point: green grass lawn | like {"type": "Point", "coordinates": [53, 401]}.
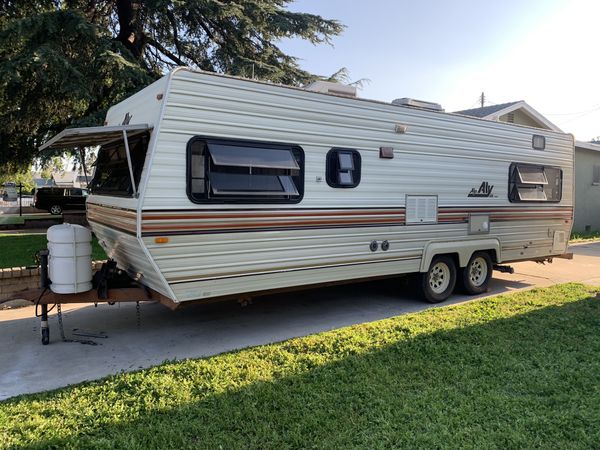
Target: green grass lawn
{"type": "Point", "coordinates": [583, 236]}
{"type": "Point", "coordinates": [20, 220]}
{"type": "Point", "coordinates": [513, 371]}
{"type": "Point", "coordinates": [17, 250]}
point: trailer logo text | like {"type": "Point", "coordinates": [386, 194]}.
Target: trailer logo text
{"type": "Point", "coordinates": [485, 190]}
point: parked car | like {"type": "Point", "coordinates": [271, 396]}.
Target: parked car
{"type": "Point", "coordinates": [57, 199]}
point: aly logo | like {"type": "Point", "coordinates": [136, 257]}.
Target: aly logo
{"type": "Point", "coordinates": [485, 190]}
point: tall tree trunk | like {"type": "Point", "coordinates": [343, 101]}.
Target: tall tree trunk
{"type": "Point", "coordinates": [131, 32]}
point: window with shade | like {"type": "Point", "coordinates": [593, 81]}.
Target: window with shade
{"type": "Point", "coordinates": [534, 183]}
{"type": "Point", "coordinates": [235, 171]}
{"type": "Point", "coordinates": [343, 168]}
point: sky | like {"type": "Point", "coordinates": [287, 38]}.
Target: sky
{"type": "Point", "coordinates": [545, 52]}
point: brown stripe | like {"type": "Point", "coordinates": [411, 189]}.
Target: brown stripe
{"type": "Point", "coordinates": [271, 224]}
{"type": "Point", "coordinates": [119, 218]}
{"type": "Point", "coordinates": [270, 215]}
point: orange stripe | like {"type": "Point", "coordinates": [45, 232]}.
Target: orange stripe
{"type": "Point", "coordinates": [268, 224]}
{"type": "Point", "coordinates": [110, 216]}
{"type": "Point", "coordinates": [270, 215]}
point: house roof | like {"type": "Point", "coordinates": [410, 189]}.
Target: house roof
{"type": "Point", "coordinates": [486, 110]}
{"type": "Point", "coordinates": [594, 146]}
{"type": "Point", "coordinates": [494, 112]}
{"type": "Point", "coordinates": [64, 177]}
{"type": "Point", "coordinates": [39, 182]}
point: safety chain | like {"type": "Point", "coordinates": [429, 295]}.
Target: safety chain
{"type": "Point", "coordinates": [62, 329]}
{"type": "Point", "coordinates": [60, 322]}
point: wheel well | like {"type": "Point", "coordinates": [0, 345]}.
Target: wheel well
{"type": "Point", "coordinates": [460, 251]}
{"type": "Point", "coordinates": [491, 253]}
{"type": "Point", "coordinates": [456, 259]}
{"type": "Point", "coordinates": [453, 256]}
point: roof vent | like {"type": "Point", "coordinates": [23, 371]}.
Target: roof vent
{"type": "Point", "coordinates": [417, 104]}
{"type": "Point", "coordinates": [331, 87]}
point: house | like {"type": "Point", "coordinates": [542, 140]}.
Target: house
{"type": "Point", "coordinates": [40, 181]}
{"type": "Point", "coordinates": [587, 158]}
{"type": "Point", "coordinates": [71, 179]}
{"type": "Point", "coordinates": [65, 179]}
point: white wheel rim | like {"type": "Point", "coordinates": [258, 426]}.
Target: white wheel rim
{"type": "Point", "coordinates": [55, 210]}
{"type": "Point", "coordinates": [478, 271]}
{"type": "Point", "coordinates": [439, 278]}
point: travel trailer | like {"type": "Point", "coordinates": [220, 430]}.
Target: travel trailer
{"type": "Point", "coordinates": [209, 186]}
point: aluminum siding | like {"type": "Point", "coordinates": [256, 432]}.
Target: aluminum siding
{"type": "Point", "coordinates": [440, 154]}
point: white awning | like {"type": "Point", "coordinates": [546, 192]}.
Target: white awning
{"type": "Point", "coordinates": [93, 136]}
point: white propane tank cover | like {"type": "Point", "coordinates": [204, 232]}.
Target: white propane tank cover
{"type": "Point", "coordinates": [70, 258]}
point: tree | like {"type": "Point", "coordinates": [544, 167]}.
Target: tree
{"type": "Point", "coordinates": [343, 76]}
{"type": "Point", "coordinates": [64, 62]}
{"type": "Point", "coordinates": [23, 177]}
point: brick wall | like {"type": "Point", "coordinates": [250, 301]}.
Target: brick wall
{"type": "Point", "coordinates": [17, 279]}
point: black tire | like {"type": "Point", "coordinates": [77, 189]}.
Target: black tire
{"type": "Point", "coordinates": [55, 210]}
{"type": "Point", "coordinates": [475, 277]}
{"type": "Point", "coordinates": [438, 282]}
{"type": "Point", "coordinates": [45, 336]}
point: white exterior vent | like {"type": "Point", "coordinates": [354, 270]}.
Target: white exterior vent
{"type": "Point", "coordinates": [421, 209]}
{"type": "Point", "coordinates": [418, 104]}
{"type": "Point", "coordinates": [331, 87]}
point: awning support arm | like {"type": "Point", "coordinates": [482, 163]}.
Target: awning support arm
{"type": "Point", "coordinates": [82, 156]}
{"type": "Point", "coordinates": [129, 163]}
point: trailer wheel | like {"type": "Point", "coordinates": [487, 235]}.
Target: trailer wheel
{"type": "Point", "coordinates": [438, 282]}
{"type": "Point", "coordinates": [55, 209]}
{"type": "Point", "coordinates": [475, 277]}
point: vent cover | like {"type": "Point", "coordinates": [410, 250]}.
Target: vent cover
{"type": "Point", "coordinates": [422, 104]}
{"type": "Point", "coordinates": [421, 209]}
{"type": "Point", "coordinates": [330, 87]}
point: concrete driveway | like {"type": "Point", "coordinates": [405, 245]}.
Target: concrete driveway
{"type": "Point", "coordinates": [27, 366]}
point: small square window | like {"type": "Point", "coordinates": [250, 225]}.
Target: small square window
{"type": "Point", "coordinates": [343, 168]}
{"type": "Point", "coordinates": [538, 142]}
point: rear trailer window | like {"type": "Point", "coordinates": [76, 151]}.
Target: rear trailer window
{"type": "Point", "coordinates": [534, 183]}
{"type": "Point", "coordinates": [232, 171]}
{"type": "Point", "coordinates": [112, 176]}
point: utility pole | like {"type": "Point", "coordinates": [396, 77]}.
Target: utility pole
{"type": "Point", "coordinates": [482, 99]}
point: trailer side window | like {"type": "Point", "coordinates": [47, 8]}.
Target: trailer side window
{"type": "Point", "coordinates": [533, 183]}
{"type": "Point", "coordinates": [343, 168]}
{"type": "Point", "coordinates": [244, 171]}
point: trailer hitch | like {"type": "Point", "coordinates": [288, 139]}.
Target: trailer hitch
{"type": "Point", "coordinates": [504, 269]}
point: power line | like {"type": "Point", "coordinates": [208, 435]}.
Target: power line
{"type": "Point", "coordinates": [581, 115]}
{"type": "Point", "coordinates": [595, 108]}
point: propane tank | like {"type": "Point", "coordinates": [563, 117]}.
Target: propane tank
{"type": "Point", "coordinates": [70, 258]}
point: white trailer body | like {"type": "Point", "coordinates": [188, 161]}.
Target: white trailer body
{"type": "Point", "coordinates": [242, 187]}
